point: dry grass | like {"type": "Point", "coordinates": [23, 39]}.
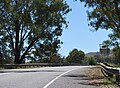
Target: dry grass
{"type": "Point", "coordinates": [95, 73]}
{"type": "Point", "coordinates": [98, 79]}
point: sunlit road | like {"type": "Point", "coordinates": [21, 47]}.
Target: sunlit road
{"type": "Point", "coordinates": [47, 77]}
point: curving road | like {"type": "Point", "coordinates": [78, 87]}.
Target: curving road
{"type": "Point", "coordinates": [46, 77]}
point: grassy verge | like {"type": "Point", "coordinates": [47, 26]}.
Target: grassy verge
{"type": "Point", "coordinates": [1, 68]}
{"type": "Point", "coordinates": [115, 65]}
{"type": "Point", "coordinates": [98, 79]}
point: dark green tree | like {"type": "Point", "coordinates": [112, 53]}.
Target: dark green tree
{"type": "Point", "coordinates": [75, 56]}
{"type": "Point", "coordinates": [116, 52]}
{"type": "Point", "coordinates": [59, 58]}
{"type": "Point", "coordinates": [25, 24]}
{"type": "Point", "coordinates": [107, 43]}
{"type": "Point", "coordinates": [47, 49]}
{"type": "Point", "coordinates": [105, 14]}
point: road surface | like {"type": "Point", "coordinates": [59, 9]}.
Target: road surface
{"type": "Point", "coordinates": [46, 77]}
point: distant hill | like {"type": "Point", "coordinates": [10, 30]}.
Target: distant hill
{"type": "Point", "coordinates": [91, 54]}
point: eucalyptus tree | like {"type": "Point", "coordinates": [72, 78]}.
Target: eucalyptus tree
{"type": "Point", "coordinates": [105, 14]}
{"type": "Point", "coordinates": [25, 24]}
{"type": "Point", "coordinates": [47, 49]}
{"type": "Point", "coordinates": [75, 56]}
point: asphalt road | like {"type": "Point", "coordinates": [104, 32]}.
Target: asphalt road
{"type": "Point", "coordinates": [46, 77]}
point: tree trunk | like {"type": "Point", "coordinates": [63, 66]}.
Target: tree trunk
{"type": "Point", "coordinates": [23, 56]}
{"type": "Point", "coordinates": [17, 51]}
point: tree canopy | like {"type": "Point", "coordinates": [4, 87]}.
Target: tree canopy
{"type": "Point", "coordinates": [26, 25]}
{"type": "Point", "coordinates": [105, 14]}
{"type": "Point", "coordinates": [75, 56]}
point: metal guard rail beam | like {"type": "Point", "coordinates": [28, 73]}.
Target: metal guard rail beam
{"type": "Point", "coordinates": [37, 64]}
{"type": "Point", "coordinates": [34, 64]}
{"type": "Point", "coordinates": [110, 72]}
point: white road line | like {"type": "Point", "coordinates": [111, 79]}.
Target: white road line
{"type": "Point", "coordinates": [4, 73]}
{"type": "Point", "coordinates": [57, 78]}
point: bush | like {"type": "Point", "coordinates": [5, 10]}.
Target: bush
{"type": "Point", "coordinates": [92, 61]}
{"type": "Point", "coordinates": [89, 61]}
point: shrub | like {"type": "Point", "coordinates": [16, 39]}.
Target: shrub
{"type": "Point", "coordinates": [89, 61]}
{"type": "Point", "coordinates": [92, 61]}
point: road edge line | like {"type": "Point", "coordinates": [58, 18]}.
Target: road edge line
{"type": "Point", "coordinates": [57, 78]}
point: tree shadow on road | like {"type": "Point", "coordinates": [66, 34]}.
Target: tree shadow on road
{"type": "Point", "coordinates": [83, 79]}
{"type": "Point", "coordinates": [77, 76]}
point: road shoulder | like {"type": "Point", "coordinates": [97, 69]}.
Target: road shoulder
{"type": "Point", "coordinates": [74, 79]}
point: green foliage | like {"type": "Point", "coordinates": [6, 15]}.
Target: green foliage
{"type": "Point", "coordinates": [107, 43]}
{"type": "Point", "coordinates": [104, 14]}
{"type": "Point", "coordinates": [89, 61]}
{"type": "Point", "coordinates": [57, 58]}
{"type": "Point", "coordinates": [92, 61]}
{"type": "Point", "coordinates": [116, 52]}
{"type": "Point", "coordinates": [26, 24]}
{"type": "Point", "coordinates": [75, 56]}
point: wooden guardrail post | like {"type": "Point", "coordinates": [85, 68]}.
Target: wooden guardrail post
{"type": "Point", "coordinates": [118, 78]}
{"type": "Point", "coordinates": [110, 75]}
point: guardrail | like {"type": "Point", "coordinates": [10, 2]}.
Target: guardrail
{"type": "Point", "coordinates": [110, 72]}
{"type": "Point", "coordinates": [9, 66]}
{"type": "Point", "coordinates": [30, 65]}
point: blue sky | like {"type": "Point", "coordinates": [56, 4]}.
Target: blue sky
{"type": "Point", "coordinates": [78, 34]}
